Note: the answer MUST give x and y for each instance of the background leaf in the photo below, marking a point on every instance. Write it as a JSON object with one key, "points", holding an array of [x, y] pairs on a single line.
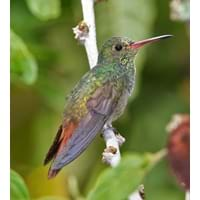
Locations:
{"points": [[44, 9], [52, 198], [45, 188], [118, 183], [23, 64], [18, 188]]}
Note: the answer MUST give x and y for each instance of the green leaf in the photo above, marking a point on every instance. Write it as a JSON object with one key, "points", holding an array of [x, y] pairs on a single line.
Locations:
{"points": [[45, 9], [18, 188], [52, 198], [118, 183], [23, 64]]}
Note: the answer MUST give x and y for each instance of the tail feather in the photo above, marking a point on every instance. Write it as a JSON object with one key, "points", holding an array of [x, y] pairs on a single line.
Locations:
{"points": [[52, 173], [54, 147], [61, 139]]}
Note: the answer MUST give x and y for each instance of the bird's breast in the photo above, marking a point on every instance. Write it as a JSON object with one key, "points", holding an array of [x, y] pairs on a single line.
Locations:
{"points": [[127, 86], [121, 104]]}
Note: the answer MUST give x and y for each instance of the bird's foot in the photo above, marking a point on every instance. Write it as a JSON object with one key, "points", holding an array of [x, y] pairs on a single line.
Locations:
{"points": [[113, 139], [108, 154], [119, 137]]}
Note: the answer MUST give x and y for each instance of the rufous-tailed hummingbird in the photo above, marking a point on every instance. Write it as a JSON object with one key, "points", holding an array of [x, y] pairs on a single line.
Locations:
{"points": [[98, 99]]}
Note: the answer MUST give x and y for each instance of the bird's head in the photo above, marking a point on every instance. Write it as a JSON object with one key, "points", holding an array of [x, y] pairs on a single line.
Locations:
{"points": [[122, 49]]}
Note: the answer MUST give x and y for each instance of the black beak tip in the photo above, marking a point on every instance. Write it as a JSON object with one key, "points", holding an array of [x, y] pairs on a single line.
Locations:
{"points": [[166, 36]]}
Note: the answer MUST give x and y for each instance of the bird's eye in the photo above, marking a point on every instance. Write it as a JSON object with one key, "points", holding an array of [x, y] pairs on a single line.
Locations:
{"points": [[118, 47]]}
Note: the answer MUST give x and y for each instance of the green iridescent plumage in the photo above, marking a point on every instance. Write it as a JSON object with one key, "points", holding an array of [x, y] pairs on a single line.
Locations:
{"points": [[118, 71]]}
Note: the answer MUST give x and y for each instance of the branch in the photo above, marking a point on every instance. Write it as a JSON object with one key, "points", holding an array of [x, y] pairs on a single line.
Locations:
{"points": [[138, 194], [187, 195], [85, 33], [111, 154]]}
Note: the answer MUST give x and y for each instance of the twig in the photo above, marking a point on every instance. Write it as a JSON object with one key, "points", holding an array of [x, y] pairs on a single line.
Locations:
{"points": [[158, 156], [138, 194], [187, 195], [74, 188], [85, 32], [111, 154]]}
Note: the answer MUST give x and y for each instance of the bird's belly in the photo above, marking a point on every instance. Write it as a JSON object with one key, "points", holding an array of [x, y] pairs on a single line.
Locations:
{"points": [[120, 106]]}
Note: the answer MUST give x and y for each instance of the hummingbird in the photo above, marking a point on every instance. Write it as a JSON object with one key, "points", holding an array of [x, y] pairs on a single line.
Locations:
{"points": [[97, 100]]}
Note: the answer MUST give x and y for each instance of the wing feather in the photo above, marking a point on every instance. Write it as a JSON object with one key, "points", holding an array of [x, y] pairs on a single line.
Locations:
{"points": [[100, 107]]}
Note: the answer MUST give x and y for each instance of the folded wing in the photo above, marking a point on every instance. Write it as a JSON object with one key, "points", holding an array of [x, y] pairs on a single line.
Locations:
{"points": [[75, 136]]}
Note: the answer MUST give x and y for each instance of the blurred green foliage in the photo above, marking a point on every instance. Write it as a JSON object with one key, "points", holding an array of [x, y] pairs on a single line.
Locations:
{"points": [[46, 62], [119, 183], [23, 64], [18, 188], [44, 9]]}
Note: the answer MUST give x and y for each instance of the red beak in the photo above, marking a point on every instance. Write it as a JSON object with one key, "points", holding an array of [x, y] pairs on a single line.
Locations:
{"points": [[141, 43]]}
